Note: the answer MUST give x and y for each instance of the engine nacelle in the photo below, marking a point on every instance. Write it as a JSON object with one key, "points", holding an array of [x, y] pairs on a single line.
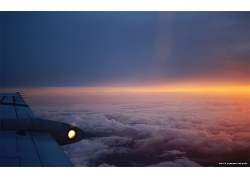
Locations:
{"points": [[63, 133]]}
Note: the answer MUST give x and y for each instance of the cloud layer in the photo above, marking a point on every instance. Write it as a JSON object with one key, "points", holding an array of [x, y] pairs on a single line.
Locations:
{"points": [[186, 133]]}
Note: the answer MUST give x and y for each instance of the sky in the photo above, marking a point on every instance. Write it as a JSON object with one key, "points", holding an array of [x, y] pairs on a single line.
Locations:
{"points": [[148, 88], [124, 49]]}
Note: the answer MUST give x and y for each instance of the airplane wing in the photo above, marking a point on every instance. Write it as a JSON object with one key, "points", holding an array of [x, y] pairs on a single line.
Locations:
{"points": [[28, 141]]}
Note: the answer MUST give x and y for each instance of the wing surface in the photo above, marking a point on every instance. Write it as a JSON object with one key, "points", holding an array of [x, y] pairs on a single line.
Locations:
{"points": [[12, 105], [30, 149], [26, 148]]}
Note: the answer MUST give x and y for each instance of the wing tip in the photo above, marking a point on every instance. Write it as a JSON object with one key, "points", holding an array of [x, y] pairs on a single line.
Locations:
{"points": [[22, 94]]}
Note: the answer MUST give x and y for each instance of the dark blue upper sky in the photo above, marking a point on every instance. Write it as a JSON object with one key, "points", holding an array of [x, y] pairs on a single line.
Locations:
{"points": [[49, 49]]}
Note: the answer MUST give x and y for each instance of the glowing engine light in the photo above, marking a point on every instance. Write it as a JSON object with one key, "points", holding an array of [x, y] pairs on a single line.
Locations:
{"points": [[71, 134]]}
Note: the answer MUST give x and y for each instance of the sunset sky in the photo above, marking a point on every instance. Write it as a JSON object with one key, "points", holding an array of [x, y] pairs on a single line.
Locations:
{"points": [[148, 88], [125, 51]]}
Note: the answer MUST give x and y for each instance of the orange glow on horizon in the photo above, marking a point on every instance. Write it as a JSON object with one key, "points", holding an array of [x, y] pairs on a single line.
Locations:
{"points": [[181, 88]]}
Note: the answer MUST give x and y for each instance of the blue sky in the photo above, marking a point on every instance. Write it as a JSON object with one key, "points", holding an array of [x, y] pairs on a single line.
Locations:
{"points": [[64, 49]]}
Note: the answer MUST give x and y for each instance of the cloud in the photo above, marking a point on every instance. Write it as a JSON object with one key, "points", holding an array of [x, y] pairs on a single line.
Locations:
{"points": [[172, 152], [186, 134], [105, 165], [87, 153], [182, 162]]}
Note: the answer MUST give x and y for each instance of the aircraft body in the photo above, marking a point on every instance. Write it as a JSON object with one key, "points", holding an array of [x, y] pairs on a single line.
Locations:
{"points": [[28, 141]]}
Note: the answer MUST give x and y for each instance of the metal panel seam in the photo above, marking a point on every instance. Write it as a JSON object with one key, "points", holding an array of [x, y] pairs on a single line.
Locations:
{"points": [[13, 97], [35, 148]]}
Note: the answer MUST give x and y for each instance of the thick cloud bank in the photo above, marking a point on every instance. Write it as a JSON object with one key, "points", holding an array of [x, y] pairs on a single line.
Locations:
{"points": [[187, 133]]}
